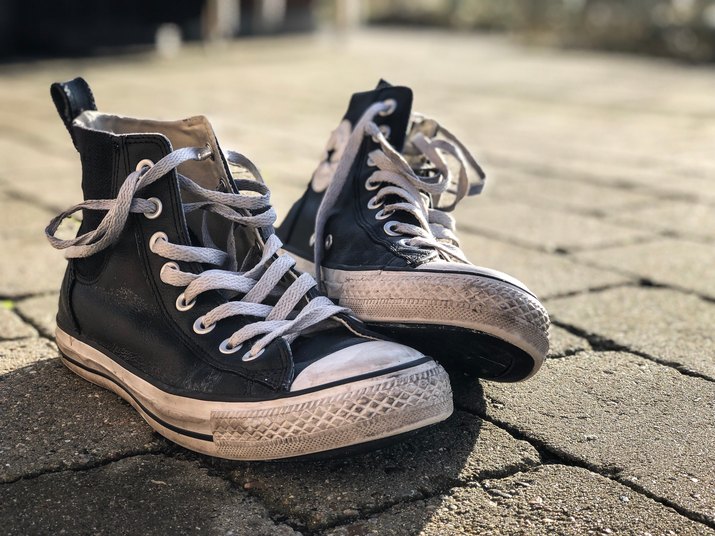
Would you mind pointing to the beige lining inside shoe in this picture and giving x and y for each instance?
(192, 132)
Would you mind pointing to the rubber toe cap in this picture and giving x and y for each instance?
(357, 360)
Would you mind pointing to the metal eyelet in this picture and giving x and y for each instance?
(388, 228)
(391, 107)
(182, 305)
(328, 241)
(404, 244)
(199, 327)
(370, 162)
(224, 348)
(383, 214)
(143, 164)
(369, 186)
(205, 153)
(156, 236)
(169, 266)
(248, 357)
(157, 211)
(374, 203)
(311, 240)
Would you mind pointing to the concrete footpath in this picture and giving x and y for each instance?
(601, 197)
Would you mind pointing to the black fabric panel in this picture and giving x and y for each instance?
(298, 226)
(99, 154)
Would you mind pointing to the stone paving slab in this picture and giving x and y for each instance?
(54, 420)
(11, 325)
(41, 311)
(553, 499)
(563, 343)
(655, 180)
(553, 192)
(590, 153)
(648, 320)
(39, 269)
(137, 495)
(618, 414)
(16, 354)
(673, 217)
(22, 156)
(578, 140)
(544, 274)
(52, 188)
(556, 230)
(21, 220)
(680, 263)
(323, 493)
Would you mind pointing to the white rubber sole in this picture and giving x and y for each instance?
(481, 304)
(462, 300)
(333, 418)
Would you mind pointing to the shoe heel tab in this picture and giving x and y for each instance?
(71, 99)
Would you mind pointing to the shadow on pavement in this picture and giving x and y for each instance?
(54, 421)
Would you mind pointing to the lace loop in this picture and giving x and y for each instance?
(453, 145)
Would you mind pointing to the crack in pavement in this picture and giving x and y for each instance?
(601, 343)
(367, 513)
(558, 251)
(23, 197)
(639, 279)
(88, 466)
(663, 194)
(588, 290)
(221, 468)
(547, 451)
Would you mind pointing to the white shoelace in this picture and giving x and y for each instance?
(256, 283)
(423, 147)
(417, 194)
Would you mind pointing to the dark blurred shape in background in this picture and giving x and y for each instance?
(683, 29)
(84, 27)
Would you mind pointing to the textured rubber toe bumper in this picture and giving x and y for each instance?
(352, 413)
(470, 302)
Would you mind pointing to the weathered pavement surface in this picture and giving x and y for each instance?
(601, 198)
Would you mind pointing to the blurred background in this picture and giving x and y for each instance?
(683, 29)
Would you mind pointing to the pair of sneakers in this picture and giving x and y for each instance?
(181, 298)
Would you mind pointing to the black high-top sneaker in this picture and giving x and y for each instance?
(175, 299)
(373, 225)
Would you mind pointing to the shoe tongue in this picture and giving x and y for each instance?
(396, 121)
